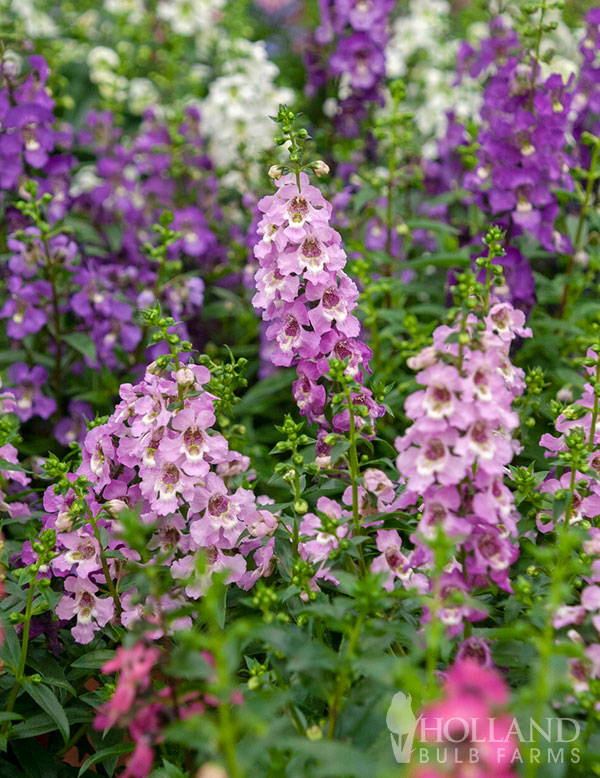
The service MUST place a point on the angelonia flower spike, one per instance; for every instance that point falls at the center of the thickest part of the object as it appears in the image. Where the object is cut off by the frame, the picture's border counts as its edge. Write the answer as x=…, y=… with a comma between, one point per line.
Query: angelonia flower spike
x=303, y=291
x=157, y=455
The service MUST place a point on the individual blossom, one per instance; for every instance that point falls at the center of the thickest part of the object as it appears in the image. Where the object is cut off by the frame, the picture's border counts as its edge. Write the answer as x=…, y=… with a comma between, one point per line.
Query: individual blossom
x=81, y=602
x=30, y=401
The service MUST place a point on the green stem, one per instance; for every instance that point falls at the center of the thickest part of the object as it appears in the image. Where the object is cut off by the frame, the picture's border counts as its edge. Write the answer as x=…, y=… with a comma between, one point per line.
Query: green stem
x=354, y=473
x=582, y=214
x=545, y=646
x=24, y=646
x=389, y=203
x=536, y=60
x=109, y=581
x=375, y=339
x=433, y=642
x=342, y=680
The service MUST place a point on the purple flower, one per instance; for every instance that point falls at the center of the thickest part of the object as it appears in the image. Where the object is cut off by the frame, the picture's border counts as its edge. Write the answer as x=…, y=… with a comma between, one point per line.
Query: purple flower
x=358, y=58
x=25, y=307
x=30, y=400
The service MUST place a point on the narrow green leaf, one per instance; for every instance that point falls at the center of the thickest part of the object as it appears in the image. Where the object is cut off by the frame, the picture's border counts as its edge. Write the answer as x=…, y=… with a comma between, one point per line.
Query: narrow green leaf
x=93, y=660
x=6, y=716
x=105, y=753
x=48, y=702
x=81, y=342
x=6, y=465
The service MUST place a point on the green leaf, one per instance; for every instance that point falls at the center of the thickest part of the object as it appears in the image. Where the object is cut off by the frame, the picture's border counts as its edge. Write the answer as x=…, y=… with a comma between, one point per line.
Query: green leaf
x=81, y=342
x=168, y=770
x=35, y=760
x=9, y=770
x=93, y=660
x=6, y=716
x=338, y=449
x=48, y=702
x=431, y=224
x=105, y=753
x=6, y=465
x=264, y=391
x=38, y=724
x=442, y=259
x=10, y=650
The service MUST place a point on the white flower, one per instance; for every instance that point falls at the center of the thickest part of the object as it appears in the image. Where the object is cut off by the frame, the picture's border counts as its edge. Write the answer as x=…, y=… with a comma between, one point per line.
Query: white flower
x=84, y=180
x=103, y=58
x=188, y=17
x=36, y=23
x=236, y=111
x=422, y=47
x=142, y=93
x=132, y=9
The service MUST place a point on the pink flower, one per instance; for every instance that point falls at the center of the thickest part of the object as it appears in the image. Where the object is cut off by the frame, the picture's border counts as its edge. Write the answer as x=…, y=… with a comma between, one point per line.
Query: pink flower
x=133, y=665
x=303, y=291
x=91, y=611
x=395, y=564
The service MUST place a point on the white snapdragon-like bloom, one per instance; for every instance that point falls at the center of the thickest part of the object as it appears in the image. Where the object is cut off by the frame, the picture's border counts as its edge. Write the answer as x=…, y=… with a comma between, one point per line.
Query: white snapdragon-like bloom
x=85, y=180
x=421, y=46
x=36, y=23
x=101, y=58
x=133, y=9
x=103, y=62
x=422, y=29
x=142, y=93
x=235, y=113
x=189, y=17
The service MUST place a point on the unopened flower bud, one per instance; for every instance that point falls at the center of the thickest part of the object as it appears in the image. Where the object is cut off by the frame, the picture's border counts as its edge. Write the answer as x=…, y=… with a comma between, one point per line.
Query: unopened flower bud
x=154, y=368
x=184, y=376
x=321, y=168
x=275, y=172
x=301, y=506
x=115, y=507
x=64, y=522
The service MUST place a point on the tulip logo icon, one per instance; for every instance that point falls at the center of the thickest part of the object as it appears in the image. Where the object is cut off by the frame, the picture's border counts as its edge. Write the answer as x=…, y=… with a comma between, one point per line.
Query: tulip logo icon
x=401, y=721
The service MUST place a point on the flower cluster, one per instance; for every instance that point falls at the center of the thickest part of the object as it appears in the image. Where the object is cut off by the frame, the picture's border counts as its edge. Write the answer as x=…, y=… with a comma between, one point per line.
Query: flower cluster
x=421, y=51
x=453, y=457
x=586, y=101
x=94, y=288
x=360, y=33
x=236, y=111
x=26, y=117
x=144, y=711
x=522, y=158
x=156, y=455
x=306, y=296
x=470, y=721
